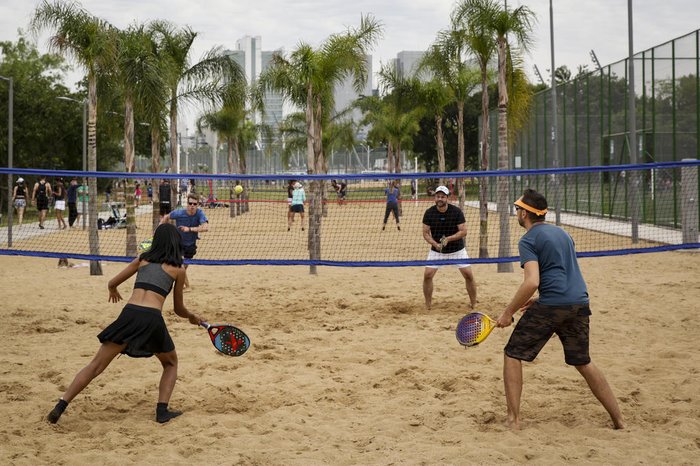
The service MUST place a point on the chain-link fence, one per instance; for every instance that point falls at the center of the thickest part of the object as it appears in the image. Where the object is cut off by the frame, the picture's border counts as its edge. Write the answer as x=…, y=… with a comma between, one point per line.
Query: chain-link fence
x=592, y=112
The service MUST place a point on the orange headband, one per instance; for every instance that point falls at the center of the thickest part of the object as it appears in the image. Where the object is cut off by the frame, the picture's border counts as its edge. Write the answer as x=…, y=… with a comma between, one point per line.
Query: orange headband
x=537, y=212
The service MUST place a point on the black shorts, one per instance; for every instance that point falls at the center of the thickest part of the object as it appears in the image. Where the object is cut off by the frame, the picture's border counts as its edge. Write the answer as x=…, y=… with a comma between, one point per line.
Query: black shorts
x=540, y=322
x=143, y=331
x=189, y=251
x=299, y=208
x=42, y=203
x=164, y=208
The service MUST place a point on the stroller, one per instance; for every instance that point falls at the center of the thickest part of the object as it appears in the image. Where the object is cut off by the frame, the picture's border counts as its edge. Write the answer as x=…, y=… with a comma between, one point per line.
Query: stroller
x=116, y=220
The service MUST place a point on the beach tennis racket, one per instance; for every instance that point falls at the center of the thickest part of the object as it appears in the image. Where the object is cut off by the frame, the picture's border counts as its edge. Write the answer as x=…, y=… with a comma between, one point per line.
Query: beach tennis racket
x=474, y=328
x=228, y=339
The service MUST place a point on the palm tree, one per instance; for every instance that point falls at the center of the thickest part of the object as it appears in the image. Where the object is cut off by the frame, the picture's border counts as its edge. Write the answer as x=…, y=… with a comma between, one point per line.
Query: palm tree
x=398, y=113
x=392, y=125
x=227, y=124
x=89, y=40
x=307, y=78
x=508, y=25
x=462, y=79
x=436, y=95
x=482, y=45
x=511, y=30
x=138, y=71
x=204, y=81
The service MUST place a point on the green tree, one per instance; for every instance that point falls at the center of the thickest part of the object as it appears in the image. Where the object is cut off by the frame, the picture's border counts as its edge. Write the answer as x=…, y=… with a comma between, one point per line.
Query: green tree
x=203, y=82
x=482, y=45
x=397, y=115
x=462, y=79
x=512, y=29
x=307, y=78
x=138, y=72
x=77, y=34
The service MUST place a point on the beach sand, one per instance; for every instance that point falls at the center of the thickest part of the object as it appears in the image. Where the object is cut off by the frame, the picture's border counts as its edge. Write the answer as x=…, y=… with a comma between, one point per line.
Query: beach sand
x=347, y=367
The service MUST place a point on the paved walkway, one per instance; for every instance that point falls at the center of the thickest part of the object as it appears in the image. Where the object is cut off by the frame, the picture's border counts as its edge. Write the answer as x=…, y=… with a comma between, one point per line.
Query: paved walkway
x=615, y=227
x=32, y=230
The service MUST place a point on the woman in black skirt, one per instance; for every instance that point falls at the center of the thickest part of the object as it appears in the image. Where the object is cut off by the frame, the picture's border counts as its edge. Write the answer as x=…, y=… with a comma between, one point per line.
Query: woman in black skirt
x=140, y=330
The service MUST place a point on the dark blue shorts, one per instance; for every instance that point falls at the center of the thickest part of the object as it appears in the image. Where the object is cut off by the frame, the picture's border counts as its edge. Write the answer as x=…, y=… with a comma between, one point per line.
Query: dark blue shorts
x=540, y=322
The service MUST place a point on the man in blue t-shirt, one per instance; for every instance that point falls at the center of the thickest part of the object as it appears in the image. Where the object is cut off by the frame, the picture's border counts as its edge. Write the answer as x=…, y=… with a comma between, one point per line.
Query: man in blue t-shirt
x=548, y=258
x=190, y=221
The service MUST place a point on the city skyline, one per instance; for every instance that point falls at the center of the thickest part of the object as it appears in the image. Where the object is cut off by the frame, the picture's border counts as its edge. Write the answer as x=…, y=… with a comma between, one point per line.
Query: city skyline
x=601, y=26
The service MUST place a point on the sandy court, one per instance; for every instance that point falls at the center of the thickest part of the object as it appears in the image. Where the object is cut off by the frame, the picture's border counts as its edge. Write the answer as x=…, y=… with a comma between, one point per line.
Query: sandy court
x=346, y=367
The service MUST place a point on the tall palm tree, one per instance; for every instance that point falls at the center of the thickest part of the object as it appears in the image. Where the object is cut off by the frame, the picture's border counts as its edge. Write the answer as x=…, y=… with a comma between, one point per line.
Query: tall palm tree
x=203, y=82
x=462, y=79
x=510, y=27
x=138, y=72
x=88, y=40
x=227, y=124
x=482, y=45
x=307, y=78
x=401, y=112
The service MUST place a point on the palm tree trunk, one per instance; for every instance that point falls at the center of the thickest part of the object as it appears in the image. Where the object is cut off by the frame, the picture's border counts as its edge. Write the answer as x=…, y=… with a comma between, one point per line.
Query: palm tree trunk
x=440, y=140
x=245, y=206
x=502, y=196
x=390, y=157
x=231, y=169
x=484, y=180
x=93, y=238
x=174, y=146
x=460, y=152
x=316, y=197
x=397, y=169
x=129, y=165
x=155, y=168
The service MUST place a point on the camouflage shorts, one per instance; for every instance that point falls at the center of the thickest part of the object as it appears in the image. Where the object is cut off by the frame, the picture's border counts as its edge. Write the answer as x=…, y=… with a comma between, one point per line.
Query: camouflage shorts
x=540, y=322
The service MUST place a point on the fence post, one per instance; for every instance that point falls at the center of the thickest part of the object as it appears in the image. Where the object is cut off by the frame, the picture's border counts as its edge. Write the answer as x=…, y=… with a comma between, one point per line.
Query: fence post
x=689, y=203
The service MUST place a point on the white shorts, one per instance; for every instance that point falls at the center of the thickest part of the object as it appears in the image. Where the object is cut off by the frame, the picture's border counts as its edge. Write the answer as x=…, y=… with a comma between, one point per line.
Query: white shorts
x=60, y=205
x=436, y=256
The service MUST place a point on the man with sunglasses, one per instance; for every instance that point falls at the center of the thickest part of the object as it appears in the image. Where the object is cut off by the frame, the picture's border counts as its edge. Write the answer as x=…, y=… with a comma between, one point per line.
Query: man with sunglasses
x=548, y=259
x=190, y=221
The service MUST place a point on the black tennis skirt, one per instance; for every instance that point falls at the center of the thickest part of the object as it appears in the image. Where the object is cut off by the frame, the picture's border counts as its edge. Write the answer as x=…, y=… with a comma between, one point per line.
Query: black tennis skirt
x=142, y=329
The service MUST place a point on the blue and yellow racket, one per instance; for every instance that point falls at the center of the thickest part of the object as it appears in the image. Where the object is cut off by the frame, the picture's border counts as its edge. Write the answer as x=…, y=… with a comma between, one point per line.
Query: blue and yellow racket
x=474, y=328
x=228, y=339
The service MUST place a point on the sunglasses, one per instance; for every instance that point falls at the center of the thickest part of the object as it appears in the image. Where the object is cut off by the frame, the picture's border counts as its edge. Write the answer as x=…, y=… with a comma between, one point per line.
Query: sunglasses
x=193, y=203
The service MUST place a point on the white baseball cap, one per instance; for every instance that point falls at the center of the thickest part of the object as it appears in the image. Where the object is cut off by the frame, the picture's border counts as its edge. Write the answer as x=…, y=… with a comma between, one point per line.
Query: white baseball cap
x=442, y=189
x=20, y=180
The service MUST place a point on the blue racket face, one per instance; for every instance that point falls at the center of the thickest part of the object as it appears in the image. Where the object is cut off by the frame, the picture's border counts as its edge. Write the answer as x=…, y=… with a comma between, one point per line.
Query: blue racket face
x=471, y=329
x=230, y=340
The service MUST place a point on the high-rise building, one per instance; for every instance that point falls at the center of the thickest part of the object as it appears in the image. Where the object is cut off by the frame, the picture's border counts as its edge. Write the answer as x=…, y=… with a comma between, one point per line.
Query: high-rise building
x=345, y=94
x=253, y=61
x=407, y=63
x=252, y=56
x=274, y=103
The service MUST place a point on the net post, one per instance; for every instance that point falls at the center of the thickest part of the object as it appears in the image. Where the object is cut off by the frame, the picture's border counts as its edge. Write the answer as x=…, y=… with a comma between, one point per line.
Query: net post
x=689, y=203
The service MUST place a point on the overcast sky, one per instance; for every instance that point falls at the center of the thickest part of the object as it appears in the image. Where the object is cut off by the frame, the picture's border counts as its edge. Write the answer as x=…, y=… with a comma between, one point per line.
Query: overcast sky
x=579, y=25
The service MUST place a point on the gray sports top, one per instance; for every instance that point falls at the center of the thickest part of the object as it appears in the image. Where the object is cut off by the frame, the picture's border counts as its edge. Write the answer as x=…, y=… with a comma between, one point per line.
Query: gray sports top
x=152, y=277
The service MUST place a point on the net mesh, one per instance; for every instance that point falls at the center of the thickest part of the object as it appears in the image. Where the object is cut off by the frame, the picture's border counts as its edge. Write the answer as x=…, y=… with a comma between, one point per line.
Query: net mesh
x=596, y=205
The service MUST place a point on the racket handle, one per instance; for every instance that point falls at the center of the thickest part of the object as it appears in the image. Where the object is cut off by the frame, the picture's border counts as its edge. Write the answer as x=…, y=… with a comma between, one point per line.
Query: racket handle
x=205, y=325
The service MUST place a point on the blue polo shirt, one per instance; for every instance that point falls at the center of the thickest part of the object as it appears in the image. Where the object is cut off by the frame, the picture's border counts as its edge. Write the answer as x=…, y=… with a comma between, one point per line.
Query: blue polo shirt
x=561, y=281
x=183, y=219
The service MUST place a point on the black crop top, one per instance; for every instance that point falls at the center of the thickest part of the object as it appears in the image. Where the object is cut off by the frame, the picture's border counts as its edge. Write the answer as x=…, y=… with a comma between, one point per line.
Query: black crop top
x=152, y=277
